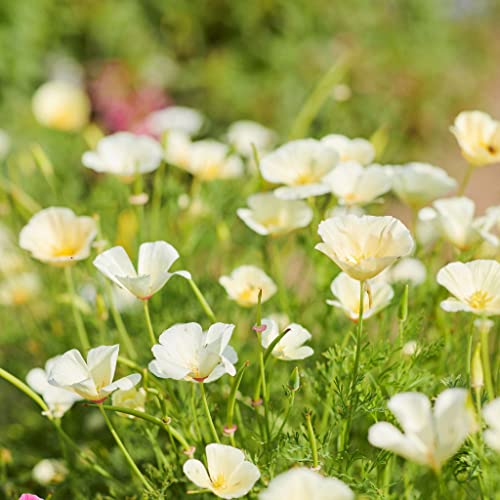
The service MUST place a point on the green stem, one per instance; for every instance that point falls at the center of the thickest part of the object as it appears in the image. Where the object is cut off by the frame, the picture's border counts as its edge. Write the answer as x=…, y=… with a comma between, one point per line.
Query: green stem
x=232, y=395
x=207, y=412
x=203, y=302
x=285, y=419
x=193, y=411
x=485, y=355
x=466, y=179
x=122, y=330
x=80, y=326
x=126, y=454
x=24, y=388
x=151, y=333
x=157, y=195
x=312, y=440
x=263, y=386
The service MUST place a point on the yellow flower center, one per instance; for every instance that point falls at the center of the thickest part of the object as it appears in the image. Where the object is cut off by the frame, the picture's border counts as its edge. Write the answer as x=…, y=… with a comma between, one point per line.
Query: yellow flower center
x=479, y=299
x=20, y=296
x=65, y=251
x=304, y=178
x=249, y=295
x=210, y=172
x=219, y=481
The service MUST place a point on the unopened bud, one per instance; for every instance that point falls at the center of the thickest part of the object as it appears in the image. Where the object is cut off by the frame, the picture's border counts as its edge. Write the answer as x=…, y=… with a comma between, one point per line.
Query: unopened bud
x=294, y=380
x=403, y=305
x=477, y=375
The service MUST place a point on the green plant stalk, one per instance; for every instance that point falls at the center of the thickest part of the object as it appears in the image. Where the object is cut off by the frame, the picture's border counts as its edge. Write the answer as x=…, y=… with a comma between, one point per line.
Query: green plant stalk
x=158, y=183
x=312, y=440
x=466, y=179
x=203, y=302
x=207, y=413
x=232, y=395
x=485, y=355
x=122, y=330
x=80, y=326
x=125, y=452
x=193, y=411
x=24, y=388
x=149, y=325
x=287, y=414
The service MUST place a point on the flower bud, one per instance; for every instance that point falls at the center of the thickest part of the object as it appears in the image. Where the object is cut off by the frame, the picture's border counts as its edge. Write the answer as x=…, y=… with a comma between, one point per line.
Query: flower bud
x=294, y=380
x=477, y=375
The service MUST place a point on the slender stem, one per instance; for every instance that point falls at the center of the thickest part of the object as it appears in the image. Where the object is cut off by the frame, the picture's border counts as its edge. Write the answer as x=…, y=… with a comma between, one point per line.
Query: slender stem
x=24, y=388
x=80, y=326
x=466, y=179
x=469, y=355
x=157, y=195
x=151, y=333
x=122, y=330
x=285, y=419
x=358, y=335
x=126, y=454
x=203, y=302
x=193, y=411
x=265, y=396
x=312, y=440
x=207, y=412
x=232, y=395
x=485, y=355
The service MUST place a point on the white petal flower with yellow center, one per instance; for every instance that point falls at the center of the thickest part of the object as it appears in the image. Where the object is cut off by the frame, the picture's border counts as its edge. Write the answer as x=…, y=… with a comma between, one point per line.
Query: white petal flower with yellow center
x=478, y=136
x=245, y=133
x=377, y=296
x=229, y=475
x=57, y=236
x=132, y=398
x=301, y=165
x=354, y=184
x=430, y=436
x=304, y=484
x=19, y=289
x=408, y=270
x=186, y=352
x=178, y=118
x=491, y=416
x=124, y=154
x=417, y=184
x=61, y=105
x=475, y=286
x=244, y=284
x=91, y=379
x=291, y=346
x=357, y=150
x=153, y=269
x=268, y=214
x=58, y=400
x=364, y=246
x=178, y=149
x=49, y=471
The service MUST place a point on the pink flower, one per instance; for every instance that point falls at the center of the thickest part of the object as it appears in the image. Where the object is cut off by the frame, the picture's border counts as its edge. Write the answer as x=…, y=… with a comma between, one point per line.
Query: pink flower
x=29, y=496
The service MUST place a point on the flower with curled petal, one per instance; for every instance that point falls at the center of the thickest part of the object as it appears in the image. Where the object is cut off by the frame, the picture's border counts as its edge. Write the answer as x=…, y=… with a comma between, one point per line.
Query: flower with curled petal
x=291, y=346
x=358, y=150
x=491, y=415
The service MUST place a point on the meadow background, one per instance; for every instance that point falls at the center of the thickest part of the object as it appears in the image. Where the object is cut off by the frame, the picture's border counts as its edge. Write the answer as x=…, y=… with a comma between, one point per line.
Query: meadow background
x=413, y=65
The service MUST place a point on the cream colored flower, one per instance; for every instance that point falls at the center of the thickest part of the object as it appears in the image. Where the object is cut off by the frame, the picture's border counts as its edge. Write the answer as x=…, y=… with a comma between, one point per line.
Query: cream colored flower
x=93, y=379
x=478, y=136
x=301, y=165
x=49, y=471
x=245, y=133
x=377, y=296
x=491, y=415
x=124, y=154
x=357, y=150
x=19, y=289
x=428, y=228
x=209, y=160
x=229, y=475
x=475, y=286
x=410, y=348
x=186, y=352
x=290, y=347
x=178, y=149
x=417, y=184
x=268, y=214
x=430, y=437
x=57, y=236
x=304, y=484
x=132, y=398
x=408, y=269
x=61, y=105
x=153, y=269
x=364, y=246
x=179, y=118
x=245, y=282
x=354, y=184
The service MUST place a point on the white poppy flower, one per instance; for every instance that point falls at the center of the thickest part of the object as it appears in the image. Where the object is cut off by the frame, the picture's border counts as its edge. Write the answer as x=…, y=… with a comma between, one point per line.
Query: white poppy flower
x=410, y=348
x=475, y=285
x=491, y=415
x=154, y=262
x=124, y=154
x=178, y=118
x=357, y=150
x=61, y=105
x=478, y=136
x=429, y=437
x=417, y=184
x=57, y=236
x=178, y=149
x=49, y=471
x=290, y=347
x=58, y=400
x=377, y=296
x=245, y=282
x=132, y=398
x=428, y=228
x=229, y=475
x=354, y=184
x=303, y=484
x=301, y=165
x=268, y=214
x=19, y=289
x=364, y=246
x=93, y=379
x=186, y=352
x=242, y=134
x=408, y=269
x=489, y=227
